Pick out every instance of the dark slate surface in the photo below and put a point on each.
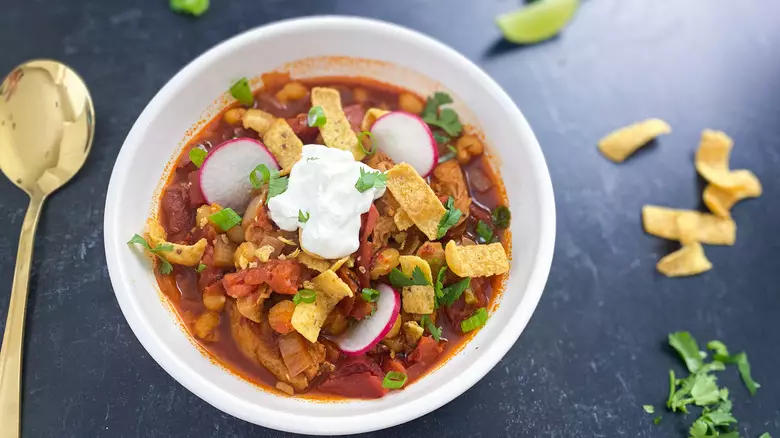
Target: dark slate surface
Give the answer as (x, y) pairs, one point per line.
(594, 351)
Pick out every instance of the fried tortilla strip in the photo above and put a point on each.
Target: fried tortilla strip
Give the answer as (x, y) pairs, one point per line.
(258, 120)
(282, 142)
(417, 299)
(712, 158)
(185, 255)
(690, 259)
(308, 318)
(686, 261)
(476, 260)
(720, 200)
(371, 116)
(402, 220)
(710, 229)
(620, 144)
(416, 198)
(314, 263)
(337, 132)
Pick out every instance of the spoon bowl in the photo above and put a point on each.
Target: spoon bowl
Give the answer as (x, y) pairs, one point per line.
(47, 123)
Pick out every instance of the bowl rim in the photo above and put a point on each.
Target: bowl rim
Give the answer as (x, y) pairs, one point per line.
(288, 421)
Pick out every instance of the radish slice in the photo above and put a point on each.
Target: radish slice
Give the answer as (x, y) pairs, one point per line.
(365, 334)
(406, 138)
(224, 175)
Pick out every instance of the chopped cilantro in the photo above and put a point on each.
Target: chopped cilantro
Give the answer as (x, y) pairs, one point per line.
(370, 180)
(657, 420)
(426, 322)
(398, 279)
(165, 265)
(262, 174)
(303, 218)
(277, 185)
(451, 293)
(686, 346)
(721, 354)
(440, 138)
(449, 219)
(501, 217)
(444, 118)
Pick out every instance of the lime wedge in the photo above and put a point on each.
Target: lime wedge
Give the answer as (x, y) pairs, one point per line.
(538, 21)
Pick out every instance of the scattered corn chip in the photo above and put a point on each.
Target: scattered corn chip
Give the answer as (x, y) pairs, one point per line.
(337, 132)
(308, 318)
(258, 120)
(314, 263)
(620, 144)
(282, 142)
(371, 116)
(688, 260)
(710, 229)
(185, 255)
(476, 260)
(712, 158)
(417, 299)
(416, 198)
(339, 263)
(720, 200)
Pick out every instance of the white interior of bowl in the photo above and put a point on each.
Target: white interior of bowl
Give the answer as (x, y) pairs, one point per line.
(410, 59)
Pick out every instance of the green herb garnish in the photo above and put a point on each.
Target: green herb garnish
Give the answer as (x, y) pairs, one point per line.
(398, 279)
(241, 91)
(303, 218)
(484, 232)
(438, 286)
(370, 180)
(721, 353)
(360, 142)
(307, 296)
(197, 155)
(501, 217)
(440, 138)
(451, 293)
(225, 219)
(192, 7)
(394, 380)
(200, 268)
(426, 322)
(444, 118)
(449, 219)
(262, 174)
(370, 295)
(687, 348)
(475, 321)
(316, 117)
(165, 265)
(649, 409)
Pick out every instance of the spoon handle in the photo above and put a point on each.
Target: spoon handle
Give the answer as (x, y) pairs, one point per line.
(11, 353)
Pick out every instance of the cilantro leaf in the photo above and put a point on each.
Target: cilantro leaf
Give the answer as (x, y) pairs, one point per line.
(303, 218)
(657, 420)
(687, 348)
(699, 429)
(162, 247)
(165, 265)
(704, 390)
(277, 185)
(451, 293)
(370, 180)
(138, 240)
(721, 354)
(449, 219)
(425, 321)
(501, 217)
(398, 279)
(765, 435)
(440, 138)
(446, 118)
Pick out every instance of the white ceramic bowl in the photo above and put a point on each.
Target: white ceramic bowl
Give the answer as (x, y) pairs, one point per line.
(408, 59)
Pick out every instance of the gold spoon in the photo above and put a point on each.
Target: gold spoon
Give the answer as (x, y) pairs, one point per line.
(47, 123)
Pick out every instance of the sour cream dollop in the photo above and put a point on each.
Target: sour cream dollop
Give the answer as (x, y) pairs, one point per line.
(322, 186)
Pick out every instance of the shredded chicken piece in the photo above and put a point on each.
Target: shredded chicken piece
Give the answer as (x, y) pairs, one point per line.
(448, 180)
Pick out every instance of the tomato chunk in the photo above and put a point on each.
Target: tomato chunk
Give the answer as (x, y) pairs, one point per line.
(357, 377)
(281, 275)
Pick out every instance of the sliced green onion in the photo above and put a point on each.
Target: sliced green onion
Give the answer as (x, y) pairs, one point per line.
(194, 7)
(394, 380)
(197, 155)
(225, 219)
(305, 296)
(475, 321)
(452, 149)
(370, 295)
(265, 176)
(360, 142)
(241, 91)
(501, 216)
(316, 117)
(200, 268)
